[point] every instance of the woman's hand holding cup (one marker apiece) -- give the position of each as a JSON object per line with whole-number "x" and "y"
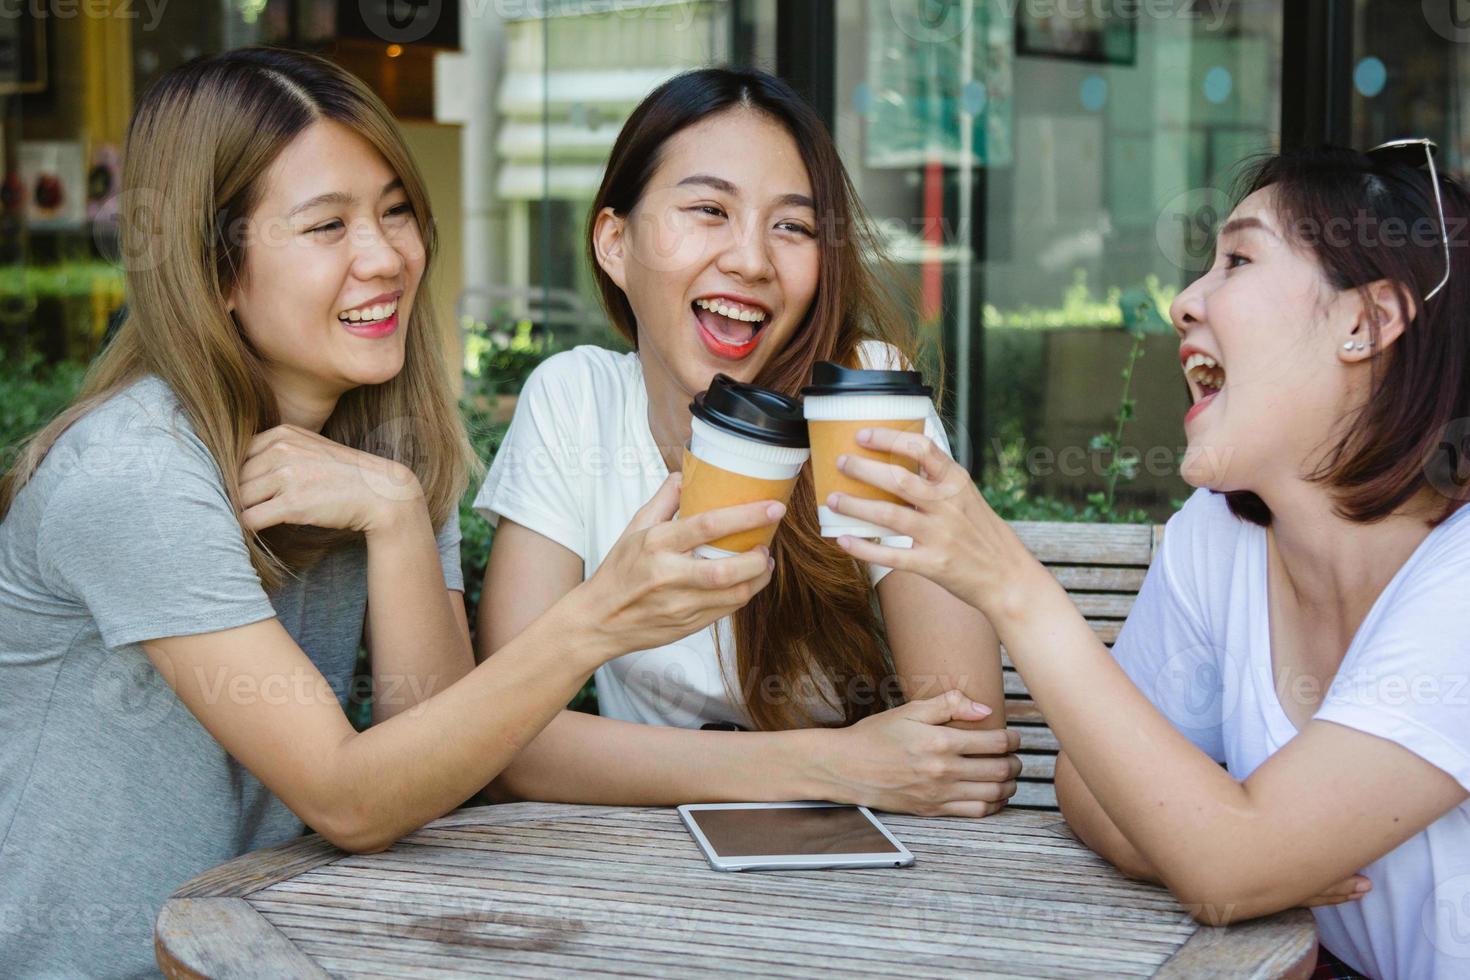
{"x": 747, "y": 444}
{"x": 652, "y": 590}
{"x": 958, "y": 541}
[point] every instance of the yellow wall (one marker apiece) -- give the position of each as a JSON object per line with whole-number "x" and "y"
{"x": 91, "y": 79}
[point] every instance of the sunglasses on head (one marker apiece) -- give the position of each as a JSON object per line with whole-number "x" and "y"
{"x": 1418, "y": 153}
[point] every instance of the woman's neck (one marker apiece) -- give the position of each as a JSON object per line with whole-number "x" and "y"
{"x": 668, "y": 411}
{"x": 1333, "y": 567}
{"x": 299, "y": 402}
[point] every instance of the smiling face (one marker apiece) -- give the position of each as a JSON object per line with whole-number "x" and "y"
{"x": 333, "y": 260}
{"x": 719, "y": 258}
{"x": 1261, "y": 343}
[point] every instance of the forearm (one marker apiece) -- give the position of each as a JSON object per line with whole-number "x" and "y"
{"x": 418, "y": 647}
{"x": 1186, "y": 816}
{"x": 1095, "y": 828}
{"x": 424, "y": 762}
{"x": 967, "y": 661}
{"x": 939, "y": 644}
{"x": 581, "y": 758}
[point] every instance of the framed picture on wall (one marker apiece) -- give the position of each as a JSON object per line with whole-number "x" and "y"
{"x": 1083, "y": 35}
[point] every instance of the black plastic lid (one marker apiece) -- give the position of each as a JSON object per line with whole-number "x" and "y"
{"x": 834, "y": 379}
{"x": 755, "y": 413}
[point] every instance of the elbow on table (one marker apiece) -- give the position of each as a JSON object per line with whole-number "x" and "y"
{"x": 1222, "y": 899}
{"x": 521, "y": 781}
{"x": 365, "y": 845}
{"x": 356, "y": 837}
{"x": 1082, "y": 822}
{"x": 506, "y": 790}
{"x": 355, "y": 827}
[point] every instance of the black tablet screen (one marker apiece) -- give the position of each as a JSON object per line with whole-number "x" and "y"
{"x": 791, "y": 831}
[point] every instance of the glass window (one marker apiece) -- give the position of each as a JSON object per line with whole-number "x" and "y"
{"x": 1406, "y": 76}
{"x": 1049, "y": 182}
{"x": 571, "y": 79}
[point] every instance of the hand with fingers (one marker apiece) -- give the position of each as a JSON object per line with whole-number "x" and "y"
{"x": 651, "y": 590}
{"x": 909, "y": 760}
{"x": 958, "y": 541}
{"x": 292, "y": 475}
{"x": 1350, "y": 889}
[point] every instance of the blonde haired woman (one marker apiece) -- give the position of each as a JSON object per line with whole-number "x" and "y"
{"x": 260, "y": 474}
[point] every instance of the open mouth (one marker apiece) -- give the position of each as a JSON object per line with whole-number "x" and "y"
{"x": 730, "y": 329}
{"x": 1206, "y": 379}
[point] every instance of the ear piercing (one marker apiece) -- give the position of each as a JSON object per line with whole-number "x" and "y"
{"x": 1356, "y": 346}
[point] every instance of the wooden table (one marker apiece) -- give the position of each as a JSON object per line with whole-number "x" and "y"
{"x": 533, "y": 889}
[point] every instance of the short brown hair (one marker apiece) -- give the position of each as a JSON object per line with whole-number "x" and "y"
{"x": 1389, "y": 229}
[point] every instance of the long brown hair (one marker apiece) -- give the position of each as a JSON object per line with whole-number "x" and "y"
{"x": 815, "y": 628}
{"x": 1408, "y": 435}
{"x": 198, "y": 146}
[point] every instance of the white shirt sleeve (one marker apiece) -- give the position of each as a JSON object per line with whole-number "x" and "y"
{"x": 538, "y": 476}
{"x": 1164, "y": 647}
{"x": 1406, "y": 677}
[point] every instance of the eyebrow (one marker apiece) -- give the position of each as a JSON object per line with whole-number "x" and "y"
{"x": 341, "y": 198}
{"x": 725, "y": 187}
{"x": 1244, "y": 224}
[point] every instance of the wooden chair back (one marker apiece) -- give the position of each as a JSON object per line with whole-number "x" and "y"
{"x": 1102, "y": 568}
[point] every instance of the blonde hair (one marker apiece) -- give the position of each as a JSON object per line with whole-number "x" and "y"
{"x": 198, "y": 146}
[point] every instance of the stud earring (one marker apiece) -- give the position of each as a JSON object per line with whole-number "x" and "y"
{"x": 1347, "y": 345}
{"x": 1360, "y": 346}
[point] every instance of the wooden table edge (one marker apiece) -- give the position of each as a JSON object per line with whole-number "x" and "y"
{"x": 1282, "y": 945}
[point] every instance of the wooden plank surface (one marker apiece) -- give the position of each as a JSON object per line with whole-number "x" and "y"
{"x": 542, "y": 889}
{"x": 1035, "y": 796}
{"x": 1087, "y": 544}
{"x": 252, "y": 872}
{"x": 1099, "y": 578}
{"x": 225, "y": 939}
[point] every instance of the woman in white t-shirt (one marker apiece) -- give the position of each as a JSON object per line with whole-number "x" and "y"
{"x": 1305, "y": 619}
{"x": 725, "y": 238}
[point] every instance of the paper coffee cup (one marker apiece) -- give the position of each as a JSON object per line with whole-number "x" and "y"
{"x": 838, "y": 404}
{"x": 747, "y": 444}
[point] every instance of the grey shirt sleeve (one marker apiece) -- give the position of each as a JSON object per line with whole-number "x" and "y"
{"x": 141, "y": 531}
{"x": 448, "y": 539}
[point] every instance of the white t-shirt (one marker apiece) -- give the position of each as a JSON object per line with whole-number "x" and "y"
{"x": 1198, "y": 645}
{"x": 576, "y": 463}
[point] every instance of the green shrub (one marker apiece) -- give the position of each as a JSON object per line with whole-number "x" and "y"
{"x": 32, "y": 394}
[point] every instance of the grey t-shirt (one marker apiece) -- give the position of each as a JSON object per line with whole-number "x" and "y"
{"x": 111, "y": 793}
